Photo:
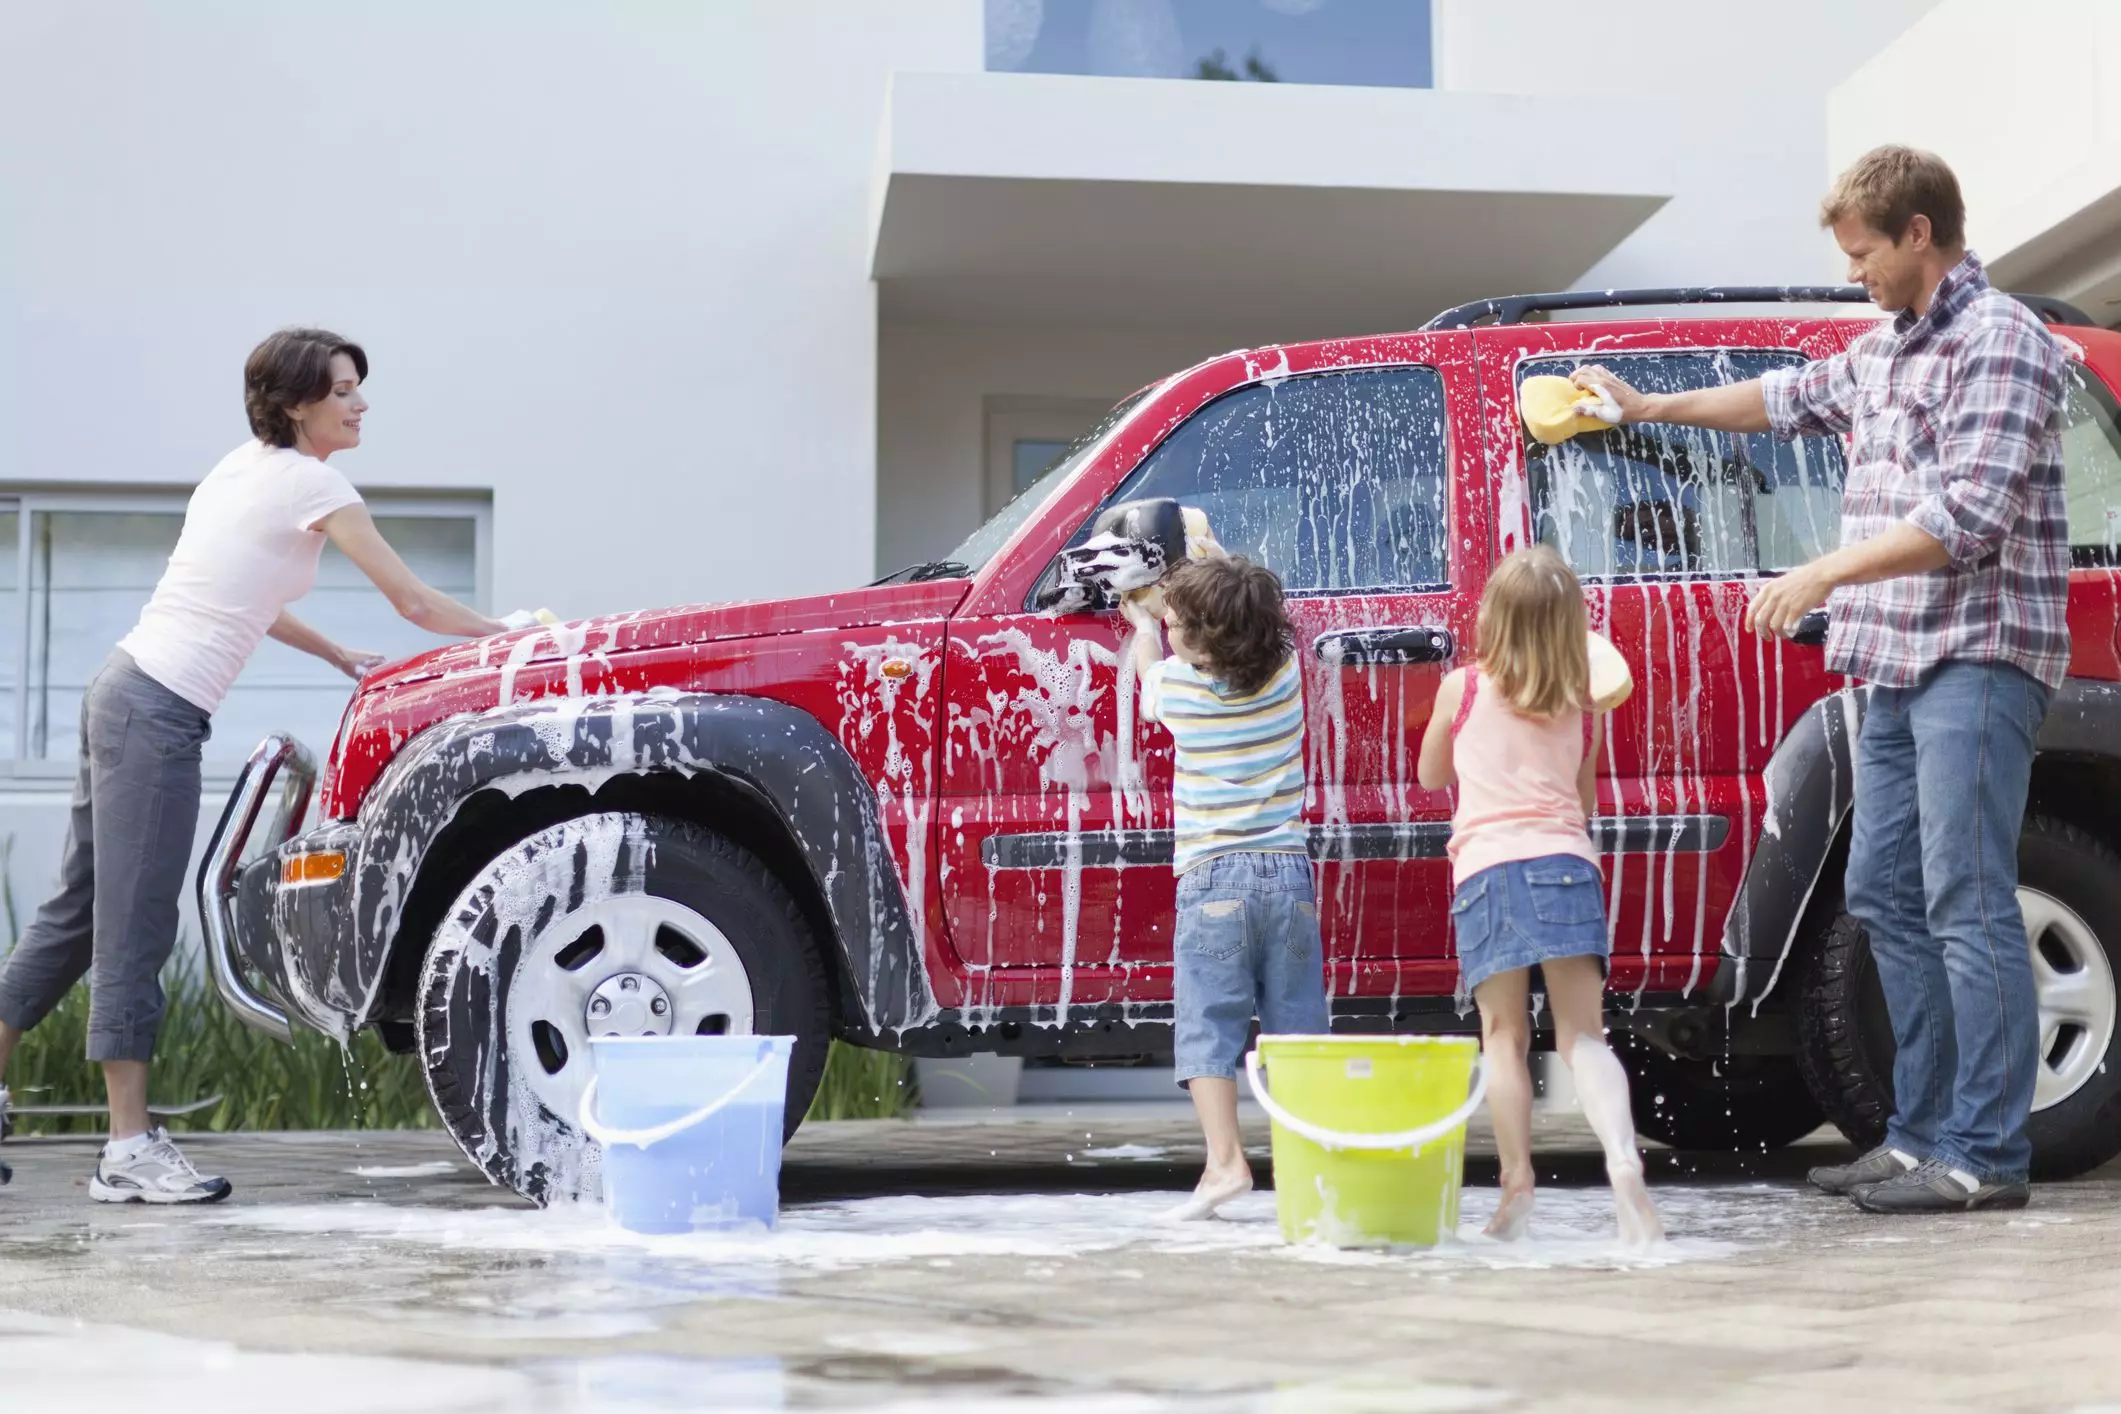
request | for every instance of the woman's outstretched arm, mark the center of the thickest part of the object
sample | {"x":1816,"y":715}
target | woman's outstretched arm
{"x":356,"y":663}
{"x":354,"y":531}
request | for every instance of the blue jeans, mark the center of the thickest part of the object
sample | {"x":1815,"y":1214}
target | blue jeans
{"x":1246,"y":945}
{"x":1941,"y":776}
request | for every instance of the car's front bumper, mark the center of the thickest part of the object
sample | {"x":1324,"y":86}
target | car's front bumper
{"x":272,"y":937}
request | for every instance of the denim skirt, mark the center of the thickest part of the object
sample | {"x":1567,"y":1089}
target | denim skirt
{"x":1525,"y":912}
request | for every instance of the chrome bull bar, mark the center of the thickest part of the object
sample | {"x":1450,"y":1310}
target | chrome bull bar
{"x":224,"y":857}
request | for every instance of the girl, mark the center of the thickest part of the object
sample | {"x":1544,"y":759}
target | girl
{"x":1517,"y":736}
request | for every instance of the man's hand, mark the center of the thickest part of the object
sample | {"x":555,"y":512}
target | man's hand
{"x":1634,"y":406}
{"x":357,"y":663}
{"x":1783,"y":601}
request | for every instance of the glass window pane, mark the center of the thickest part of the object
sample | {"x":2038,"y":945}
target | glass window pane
{"x":90,"y":573}
{"x":2091,"y":470}
{"x":1659,"y":499}
{"x":1377,"y":43}
{"x":10,"y":623}
{"x":1333,"y":481}
{"x":1029,"y":459}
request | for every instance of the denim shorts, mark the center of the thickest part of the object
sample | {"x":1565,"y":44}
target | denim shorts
{"x":1247,"y":945}
{"x":1525,"y":912}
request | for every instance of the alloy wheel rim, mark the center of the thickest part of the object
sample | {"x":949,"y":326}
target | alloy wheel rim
{"x":2073,"y":984}
{"x":589,"y":956}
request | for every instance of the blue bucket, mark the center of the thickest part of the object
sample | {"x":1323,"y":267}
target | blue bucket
{"x":691,"y":1129}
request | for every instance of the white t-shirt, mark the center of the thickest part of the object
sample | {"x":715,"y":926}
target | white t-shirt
{"x":249,"y":548}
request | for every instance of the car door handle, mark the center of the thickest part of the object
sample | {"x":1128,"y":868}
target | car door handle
{"x":1392,"y":645}
{"x":1811,"y":629}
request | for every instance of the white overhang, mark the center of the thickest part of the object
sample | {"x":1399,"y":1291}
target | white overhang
{"x":2036,"y":145}
{"x":1270,"y":211}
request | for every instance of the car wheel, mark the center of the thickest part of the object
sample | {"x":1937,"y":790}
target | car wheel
{"x":1726,"y":1102}
{"x":612,"y":924}
{"x":2070,"y":893}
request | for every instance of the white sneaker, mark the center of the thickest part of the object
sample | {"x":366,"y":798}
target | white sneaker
{"x":157,"y":1172}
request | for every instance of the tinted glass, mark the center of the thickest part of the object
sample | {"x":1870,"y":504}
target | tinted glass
{"x":1333,"y":481}
{"x":1658,"y":499}
{"x":1366,"y":42}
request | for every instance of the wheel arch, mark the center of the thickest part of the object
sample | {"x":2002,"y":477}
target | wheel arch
{"x":1811,"y":788}
{"x":763,"y":773}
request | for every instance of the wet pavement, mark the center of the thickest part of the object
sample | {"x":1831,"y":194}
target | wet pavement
{"x":1018,"y":1262}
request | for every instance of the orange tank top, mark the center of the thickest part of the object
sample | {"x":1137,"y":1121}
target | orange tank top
{"x":1516,"y":784}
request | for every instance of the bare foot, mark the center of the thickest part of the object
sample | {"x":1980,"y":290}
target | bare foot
{"x":1639,"y":1224}
{"x":1215,"y":1190}
{"x":1511,"y":1214}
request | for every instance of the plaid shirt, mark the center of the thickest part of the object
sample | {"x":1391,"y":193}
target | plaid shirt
{"x":1954,"y":425}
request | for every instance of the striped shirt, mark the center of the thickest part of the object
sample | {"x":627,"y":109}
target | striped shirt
{"x":1954,"y":426}
{"x":1239,"y":780}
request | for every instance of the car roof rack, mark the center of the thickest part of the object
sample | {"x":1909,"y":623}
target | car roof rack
{"x":1515,"y":309}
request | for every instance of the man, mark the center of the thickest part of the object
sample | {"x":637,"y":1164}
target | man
{"x":1948,"y":596}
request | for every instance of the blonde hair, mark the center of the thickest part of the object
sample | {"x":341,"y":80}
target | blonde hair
{"x":1533,"y":635}
{"x":1888,"y":187}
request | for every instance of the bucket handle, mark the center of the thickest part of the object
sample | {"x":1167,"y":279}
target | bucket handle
{"x":1334,"y":1139}
{"x":643,"y":1138}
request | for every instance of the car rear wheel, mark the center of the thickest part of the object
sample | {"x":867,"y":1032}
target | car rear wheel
{"x":604,"y":925}
{"x":2070,"y":893}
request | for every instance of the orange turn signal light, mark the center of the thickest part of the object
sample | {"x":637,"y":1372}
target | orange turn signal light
{"x":319,"y":868}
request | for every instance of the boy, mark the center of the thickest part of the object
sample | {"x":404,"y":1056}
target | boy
{"x":1247,"y":939}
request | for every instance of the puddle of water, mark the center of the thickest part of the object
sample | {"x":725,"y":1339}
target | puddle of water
{"x":54,"y":1364}
{"x":1573,"y":1227}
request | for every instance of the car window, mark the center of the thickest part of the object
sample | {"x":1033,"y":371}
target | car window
{"x":984,"y":544}
{"x":2091,"y":470}
{"x":1335,"y":481}
{"x":1659,"y":499}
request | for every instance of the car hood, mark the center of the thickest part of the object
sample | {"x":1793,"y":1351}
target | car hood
{"x":690,"y":623}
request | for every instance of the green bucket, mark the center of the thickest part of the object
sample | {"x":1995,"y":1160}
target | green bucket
{"x":1369,"y":1134}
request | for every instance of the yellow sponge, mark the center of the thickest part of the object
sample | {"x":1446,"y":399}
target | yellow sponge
{"x":1554,"y":409}
{"x":1611,"y":682}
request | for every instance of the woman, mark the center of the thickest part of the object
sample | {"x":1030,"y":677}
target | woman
{"x":253,"y":533}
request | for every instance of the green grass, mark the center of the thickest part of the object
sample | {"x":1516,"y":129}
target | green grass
{"x":312,"y":1084}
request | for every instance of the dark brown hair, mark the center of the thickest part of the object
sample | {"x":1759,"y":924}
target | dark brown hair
{"x":1232,"y":611}
{"x":289,"y":369}
{"x":1889,"y":187}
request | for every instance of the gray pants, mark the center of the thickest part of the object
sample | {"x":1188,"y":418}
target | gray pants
{"x":135,"y":812}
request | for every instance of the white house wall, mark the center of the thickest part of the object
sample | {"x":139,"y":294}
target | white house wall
{"x":1751,"y":162}
{"x":2037,"y":149}
{"x":610,"y":261}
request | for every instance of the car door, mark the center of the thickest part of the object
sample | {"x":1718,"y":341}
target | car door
{"x":1333,"y":468}
{"x":1672,"y":530}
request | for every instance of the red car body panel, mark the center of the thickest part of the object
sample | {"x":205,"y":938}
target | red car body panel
{"x":979,"y":720}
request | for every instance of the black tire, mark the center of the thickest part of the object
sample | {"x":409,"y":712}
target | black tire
{"x":1845,"y":1037}
{"x":483,"y":1091}
{"x":1724,"y":1103}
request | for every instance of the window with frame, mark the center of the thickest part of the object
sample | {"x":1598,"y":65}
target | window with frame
{"x":75,"y":570}
{"x":1656,"y":499}
{"x":2091,"y":470}
{"x":1335,"y":481}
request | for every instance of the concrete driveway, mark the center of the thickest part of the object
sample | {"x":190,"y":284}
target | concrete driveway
{"x":1018,"y":1262}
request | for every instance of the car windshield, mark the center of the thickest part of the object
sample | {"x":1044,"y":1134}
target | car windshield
{"x":983,"y":544}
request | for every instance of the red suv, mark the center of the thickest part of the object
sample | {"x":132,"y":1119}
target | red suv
{"x":925,"y":815}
